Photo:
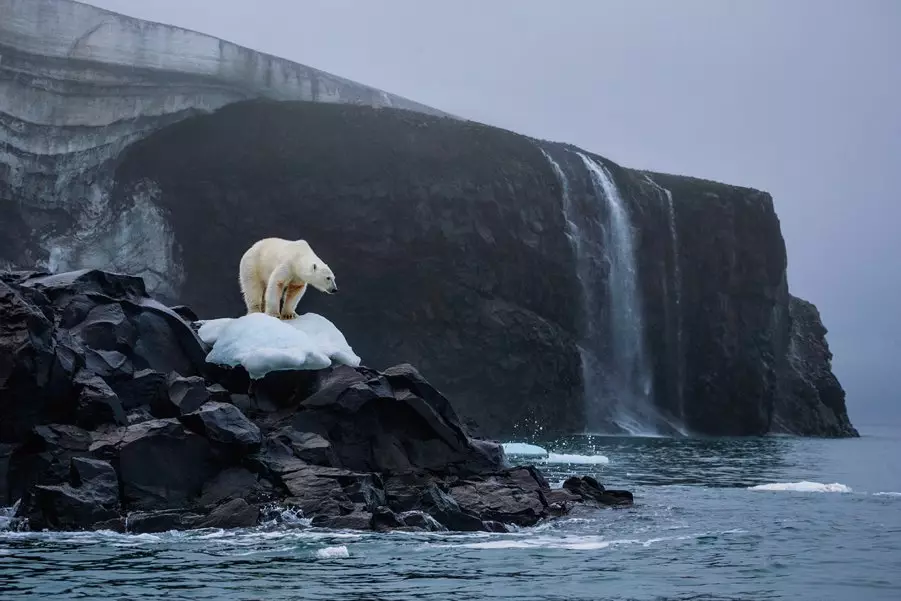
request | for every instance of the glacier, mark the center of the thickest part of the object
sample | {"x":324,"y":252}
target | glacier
{"x":79,"y":84}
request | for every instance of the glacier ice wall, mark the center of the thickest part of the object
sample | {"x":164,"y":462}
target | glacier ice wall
{"x":79,"y":84}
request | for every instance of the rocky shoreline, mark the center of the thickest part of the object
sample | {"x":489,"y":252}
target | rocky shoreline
{"x":110,"y":418}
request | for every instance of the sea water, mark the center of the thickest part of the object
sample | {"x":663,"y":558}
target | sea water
{"x":756,"y":518}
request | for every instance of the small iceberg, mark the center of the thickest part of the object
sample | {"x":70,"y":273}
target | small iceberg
{"x":577,"y":459}
{"x":803,"y":486}
{"x":262,"y":343}
{"x":524,"y":449}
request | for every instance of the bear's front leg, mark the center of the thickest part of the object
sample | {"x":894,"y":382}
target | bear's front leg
{"x":292,"y":297}
{"x":274,"y":290}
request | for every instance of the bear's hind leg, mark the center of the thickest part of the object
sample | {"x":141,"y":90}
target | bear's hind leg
{"x":274,"y":290}
{"x":252,"y":290}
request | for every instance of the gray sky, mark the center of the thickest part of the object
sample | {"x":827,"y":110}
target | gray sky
{"x":801,"y":98}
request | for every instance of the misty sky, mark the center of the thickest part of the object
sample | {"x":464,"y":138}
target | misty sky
{"x":801,"y":98}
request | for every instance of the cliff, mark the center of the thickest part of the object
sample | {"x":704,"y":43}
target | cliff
{"x":538,"y":285}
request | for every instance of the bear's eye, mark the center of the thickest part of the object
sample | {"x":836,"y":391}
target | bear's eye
{"x":329,"y":278}
{"x":314,"y":266}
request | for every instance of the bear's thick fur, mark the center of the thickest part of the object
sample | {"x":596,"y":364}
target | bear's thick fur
{"x":273,"y":268}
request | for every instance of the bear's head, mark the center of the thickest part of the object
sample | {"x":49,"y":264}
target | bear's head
{"x":320,"y":277}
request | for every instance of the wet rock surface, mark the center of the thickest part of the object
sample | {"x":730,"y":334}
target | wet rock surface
{"x":112,"y":419}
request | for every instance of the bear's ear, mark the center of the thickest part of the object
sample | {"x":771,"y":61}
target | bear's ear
{"x":314,"y":266}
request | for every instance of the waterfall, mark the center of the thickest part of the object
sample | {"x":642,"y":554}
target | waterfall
{"x":590,"y":335}
{"x":677,"y":297}
{"x":629,"y":400}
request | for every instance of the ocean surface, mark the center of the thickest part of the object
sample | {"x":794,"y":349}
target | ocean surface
{"x":755,"y":519}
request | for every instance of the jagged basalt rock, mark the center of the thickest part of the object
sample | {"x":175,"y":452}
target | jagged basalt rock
{"x":119,"y":443}
{"x":812,"y":401}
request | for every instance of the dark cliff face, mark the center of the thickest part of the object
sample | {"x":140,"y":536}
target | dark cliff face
{"x":812,"y":402}
{"x":495,"y":263}
{"x":734,"y":304}
{"x":446,"y":239}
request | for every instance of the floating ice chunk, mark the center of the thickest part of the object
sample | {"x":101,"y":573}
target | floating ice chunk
{"x":803,"y":486}
{"x":262,"y":343}
{"x":577,"y":459}
{"x":339,"y":552}
{"x":524,"y":449}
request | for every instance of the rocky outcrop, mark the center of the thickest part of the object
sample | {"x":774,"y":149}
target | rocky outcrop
{"x":812,"y":402}
{"x":539,"y":288}
{"x":111,"y":418}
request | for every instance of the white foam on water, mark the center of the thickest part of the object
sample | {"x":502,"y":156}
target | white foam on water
{"x":577,"y":459}
{"x":887,"y":494}
{"x":803,"y":486}
{"x":339,"y":552}
{"x":580,"y":543}
{"x":524,"y":449}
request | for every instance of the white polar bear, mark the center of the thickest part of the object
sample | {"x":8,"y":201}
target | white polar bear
{"x":274,"y":267}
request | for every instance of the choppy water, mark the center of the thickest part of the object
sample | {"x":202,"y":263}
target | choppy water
{"x":698,"y":531}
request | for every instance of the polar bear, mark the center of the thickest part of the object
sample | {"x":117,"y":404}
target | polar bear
{"x":273,"y":268}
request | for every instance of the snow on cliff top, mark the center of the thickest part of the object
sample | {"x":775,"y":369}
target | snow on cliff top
{"x":261,"y":343}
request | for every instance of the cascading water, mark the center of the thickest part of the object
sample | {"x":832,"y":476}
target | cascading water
{"x":627,"y":398}
{"x":590,"y":337}
{"x":679,"y":355}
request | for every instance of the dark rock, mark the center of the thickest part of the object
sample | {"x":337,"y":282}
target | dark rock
{"x":349,"y":447}
{"x":236,"y":483}
{"x":383,"y":520}
{"x":224,"y":424}
{"x":420,"y":493}
{"x":587,"y":488}
{"x":317,"y":491}
{"x":219,"y":394}
{"x":309,"y":447}
{"x":138,"y":416}
{"x":420,"y":520}
{"x":162,"y":465}
{"x":186,"y":395}
{"x":185,"y":313}
{"x":812,"y":402}
{"x":492,"y":526}
{"x":147,"y":388}
{"x":5,"y":452}
{"x":356,"y":520}
{"x":149,"y":522}
{"x":379,"y":423}
{"x":97,"y":403}
{"x":45,"y":457}
{"x":233,"y":514}
{"x":513,"y":497}
{"x":97,"y":474}
{"x":91,"y":497}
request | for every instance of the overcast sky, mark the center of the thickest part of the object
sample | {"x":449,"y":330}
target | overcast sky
{"x":801,"y":98}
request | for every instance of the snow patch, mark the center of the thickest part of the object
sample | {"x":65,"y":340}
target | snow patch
{"x":803,"y":486}
{"x":262,"y":343}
